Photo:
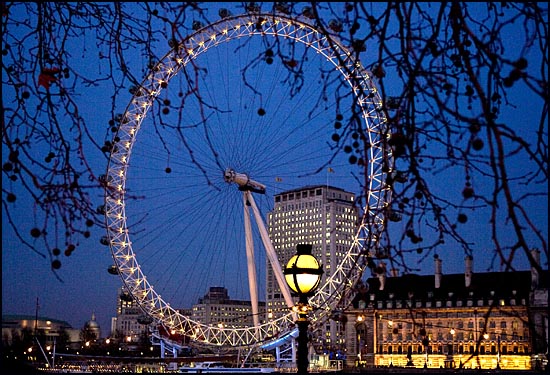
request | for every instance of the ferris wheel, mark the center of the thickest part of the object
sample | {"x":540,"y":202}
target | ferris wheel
{"x":241,"y":110}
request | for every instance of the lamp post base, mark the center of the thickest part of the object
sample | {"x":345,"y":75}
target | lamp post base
{"x":302,"y":354}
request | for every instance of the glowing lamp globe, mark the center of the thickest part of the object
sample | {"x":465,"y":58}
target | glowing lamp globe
{"x":303,"y":272}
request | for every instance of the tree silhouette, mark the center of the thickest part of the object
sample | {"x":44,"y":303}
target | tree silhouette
{"x":449,"y":75}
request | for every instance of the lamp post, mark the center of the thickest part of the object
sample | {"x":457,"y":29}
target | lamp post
{"x":498,"y":352}
{"x":426,"y":343}
{"x":303,"y":275}
{"x":453,"y":348}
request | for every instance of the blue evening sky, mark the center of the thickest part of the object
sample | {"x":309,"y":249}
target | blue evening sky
{"x":190,"y":238}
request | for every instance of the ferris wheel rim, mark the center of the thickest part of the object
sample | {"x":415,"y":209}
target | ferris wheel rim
{"x":119,"y":241}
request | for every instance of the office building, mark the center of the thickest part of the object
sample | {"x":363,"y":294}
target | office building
{"x":323,"y":216}
{"x":216,"y":308}
{"x":130,"y":324}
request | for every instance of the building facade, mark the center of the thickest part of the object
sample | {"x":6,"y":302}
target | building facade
{"x":323,"y":216}
{"x":216,"y":308}
{"x":49,"y":331}
{"x":471,"y":320}
{"x":130,"y":324}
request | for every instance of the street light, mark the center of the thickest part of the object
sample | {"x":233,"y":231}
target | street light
{"x":498,"y":352}
{"x":303,"y":275}
{"x":453,"y":347}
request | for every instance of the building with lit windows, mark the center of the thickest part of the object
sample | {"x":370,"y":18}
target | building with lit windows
{"x":130,"y":324}
{"x":49,"y":331}
{"x":216,"y":308}
{"x":323,"y":216}
{"x":472,"y":320}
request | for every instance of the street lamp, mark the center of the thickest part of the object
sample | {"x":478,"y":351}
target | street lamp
{"x":303,"y":275}
{"x":498,"y":352}
{"x":426,"y":343}
{"x":453,"y":347}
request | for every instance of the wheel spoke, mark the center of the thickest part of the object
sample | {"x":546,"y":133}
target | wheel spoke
{"x":215,"y":125}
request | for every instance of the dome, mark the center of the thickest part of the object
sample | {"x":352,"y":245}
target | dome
{"x":92,"y":322}
{"x":93,"y":326}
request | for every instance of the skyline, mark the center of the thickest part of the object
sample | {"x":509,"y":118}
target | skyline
{"x":48,"y":308}
{"x":189,"y":232}
{"x":105,"y":290}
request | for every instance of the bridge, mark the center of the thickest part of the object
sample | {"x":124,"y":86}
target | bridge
{"x":284,"y":346}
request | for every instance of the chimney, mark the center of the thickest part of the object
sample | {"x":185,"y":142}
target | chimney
{"x":381,"y":270}
{"x":468,"y":260}
{"x":438,"y":273}
{"x":394,"y":272}
{"x":535,"y":253}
